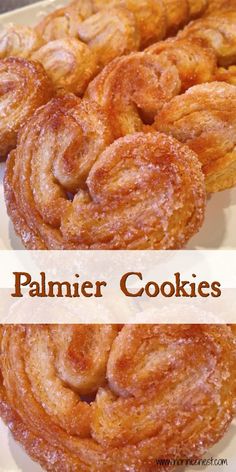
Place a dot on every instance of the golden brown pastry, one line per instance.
(75, 134)
(157, 18)
(204, 118)
(217, 32)
(18, 40)
(177, 14)
(64, 22)
(69, 63)
(227, 75)
(197, 7)
(153, 392)
(195, 63)
(219, 5)
(233, 327)
(85, 7)
(110, 33)
(66, 188)
(24, 87)
(150, 16)
(132, 89)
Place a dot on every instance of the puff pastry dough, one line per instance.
(204, 118)
(66, 188)
(157, 391)
(24, 87)
(64, 22)
(228, 75)
(19, 41)
(150, 16)
(197, 7)
(177, 14)
(154, 18)
(195, 63)
(157, 18)
(217, 32)
(110, 33)
(220, 5)
(69, 63)
(132, 89)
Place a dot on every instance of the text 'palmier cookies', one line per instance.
(66, 188)
(204, 118)
(152, 392)
(24, 87)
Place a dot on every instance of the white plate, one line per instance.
(218, 232)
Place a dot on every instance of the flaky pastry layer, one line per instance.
(152, 392)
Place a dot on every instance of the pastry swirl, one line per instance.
(19, 41)
(195, 63)
(24, 87)
(158, 391)
(69, 63)
(204, 118)
(217, 32)
(64, 22)
(132, 89)
(145, 191)
(110, 33)
(150, 17)
(116, 27)
(157, 19)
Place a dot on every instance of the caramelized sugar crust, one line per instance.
(66, 187)
(18, 41)
(132, 89)
(195, 63)
(217, 32)
(204, 118)
(64, 22)
(157, 391)
(24, 86)
(69, 63)
(110, 33)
